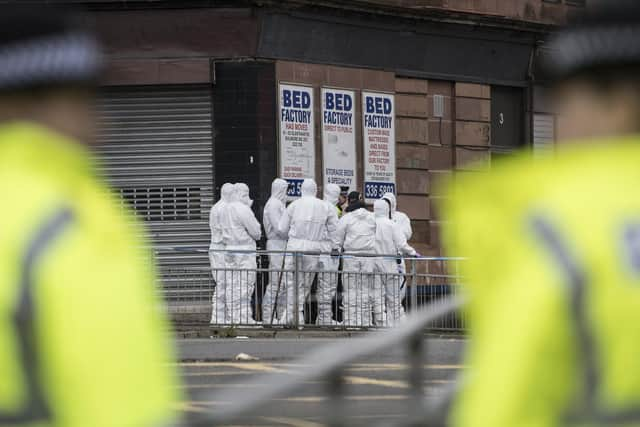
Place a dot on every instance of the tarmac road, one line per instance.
(376, 388)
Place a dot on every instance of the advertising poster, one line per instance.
(296, 142)
(378, 133)
(338, 138)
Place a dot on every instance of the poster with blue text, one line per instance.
(339, 138)
(378, 134)
(296, 142)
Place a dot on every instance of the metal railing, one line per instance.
(329, 365)
(310, 289)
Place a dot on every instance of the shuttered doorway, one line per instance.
(156, 148)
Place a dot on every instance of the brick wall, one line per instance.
(429, 148)
(424, 154)
(473, 126)
(538, 11)
(523, 10)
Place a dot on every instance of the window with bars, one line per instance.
(164, 203)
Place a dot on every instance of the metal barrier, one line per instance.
(311, 289)
(329, 364)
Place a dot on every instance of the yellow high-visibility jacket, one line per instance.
(553, 280)
(82, 340)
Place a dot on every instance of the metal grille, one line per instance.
(156, 147)
(543, 134)
(164, 203)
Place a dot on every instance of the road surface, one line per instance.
(376, 390)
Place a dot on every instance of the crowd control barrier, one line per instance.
(286, 289)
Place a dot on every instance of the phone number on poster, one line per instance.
(375, 190)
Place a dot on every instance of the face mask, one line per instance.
(244, 199)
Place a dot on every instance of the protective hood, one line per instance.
(392, 199)
(360, 213)
(279, 189)
(227, 192)
(309, 188)
(242, 194)
(332, 193)
(381, 209)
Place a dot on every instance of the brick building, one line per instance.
(190, 98)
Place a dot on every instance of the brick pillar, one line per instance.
(412, 137)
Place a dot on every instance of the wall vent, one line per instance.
(438, 106)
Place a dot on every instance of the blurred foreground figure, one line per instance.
(82, 342)
(554, 250)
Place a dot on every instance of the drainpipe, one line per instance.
(530, 90)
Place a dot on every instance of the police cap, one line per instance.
(45, 48)
(606, 36)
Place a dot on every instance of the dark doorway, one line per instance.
(245, 130)
(507, 118)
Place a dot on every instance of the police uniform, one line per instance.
(82, 341)
(553, 278)
(553, 273)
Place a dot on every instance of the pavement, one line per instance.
(376, 390)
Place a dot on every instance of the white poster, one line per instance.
(378, 133)
(339, 138)
(297, 144)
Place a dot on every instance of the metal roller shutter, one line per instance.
(156, 148)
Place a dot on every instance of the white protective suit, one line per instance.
(310, 224)
(219, 313)
(390, 240)
(357, 234)
(328, 280)
(241, 230)
(398, 217)
(404, 223)
(275, 294)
